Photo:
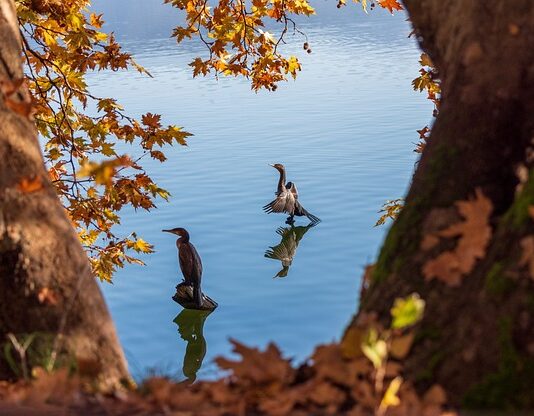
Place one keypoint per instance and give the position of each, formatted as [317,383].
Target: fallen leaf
[435,395]
[258,366]
[474,233]
[429,241]
[400,346]
[29,185]
[351,344]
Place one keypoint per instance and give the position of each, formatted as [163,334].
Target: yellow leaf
[142,246]
[390,396]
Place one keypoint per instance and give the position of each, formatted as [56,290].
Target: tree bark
[48,294]
[477,340]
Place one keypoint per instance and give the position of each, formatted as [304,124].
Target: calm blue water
[345,132]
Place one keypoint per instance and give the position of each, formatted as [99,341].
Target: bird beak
[270,165]
[167,231]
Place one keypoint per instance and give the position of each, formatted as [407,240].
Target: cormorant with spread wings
[287,199]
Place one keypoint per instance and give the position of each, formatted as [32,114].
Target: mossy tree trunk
[47,291]
[476,339]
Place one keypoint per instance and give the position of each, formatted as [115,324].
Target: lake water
[345,131]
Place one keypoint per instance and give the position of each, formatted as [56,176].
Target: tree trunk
[48,296]
[476,338]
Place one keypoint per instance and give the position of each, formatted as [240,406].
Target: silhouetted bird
[287,199]
[285,250]
[190,263]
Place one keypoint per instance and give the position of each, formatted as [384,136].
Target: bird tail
[197,295]
[300,211]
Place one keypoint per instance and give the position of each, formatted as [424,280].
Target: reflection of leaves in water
[286,249]
[191,329]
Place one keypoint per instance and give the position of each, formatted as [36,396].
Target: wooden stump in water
[184,297]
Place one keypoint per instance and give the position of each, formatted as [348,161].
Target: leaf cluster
[62,43]
[238,44]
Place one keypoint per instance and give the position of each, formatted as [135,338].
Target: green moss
[401,241]
[404,236]
[428,332]
[496,283]
[517,214]
[510,387]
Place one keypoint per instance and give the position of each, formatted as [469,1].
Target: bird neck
[282,180]
[184,238]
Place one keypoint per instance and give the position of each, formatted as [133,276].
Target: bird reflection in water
[191,329]
[286,249]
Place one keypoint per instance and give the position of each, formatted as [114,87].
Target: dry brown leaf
[324,393]
[330,365]
[474,233]
[400,346]
[393,369]
[281,404]
[435,395]
[527,255]
[29,185]
[53,388]
[352,342]
[429,241]
[257,366]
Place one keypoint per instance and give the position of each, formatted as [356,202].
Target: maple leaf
[390,5]
[258,366]
[151,120]
[474,233]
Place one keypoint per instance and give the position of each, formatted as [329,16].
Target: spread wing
[284,202]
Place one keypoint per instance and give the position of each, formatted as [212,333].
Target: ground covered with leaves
[361,375]
[259,383]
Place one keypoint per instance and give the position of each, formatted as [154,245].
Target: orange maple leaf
[28,185]
[474,234]
[151,120]
[390,5]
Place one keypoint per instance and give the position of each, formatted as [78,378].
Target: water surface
[345,132]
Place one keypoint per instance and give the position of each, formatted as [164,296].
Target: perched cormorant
[190,263]
[287,199]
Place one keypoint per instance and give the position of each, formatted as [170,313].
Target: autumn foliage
[360,376]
